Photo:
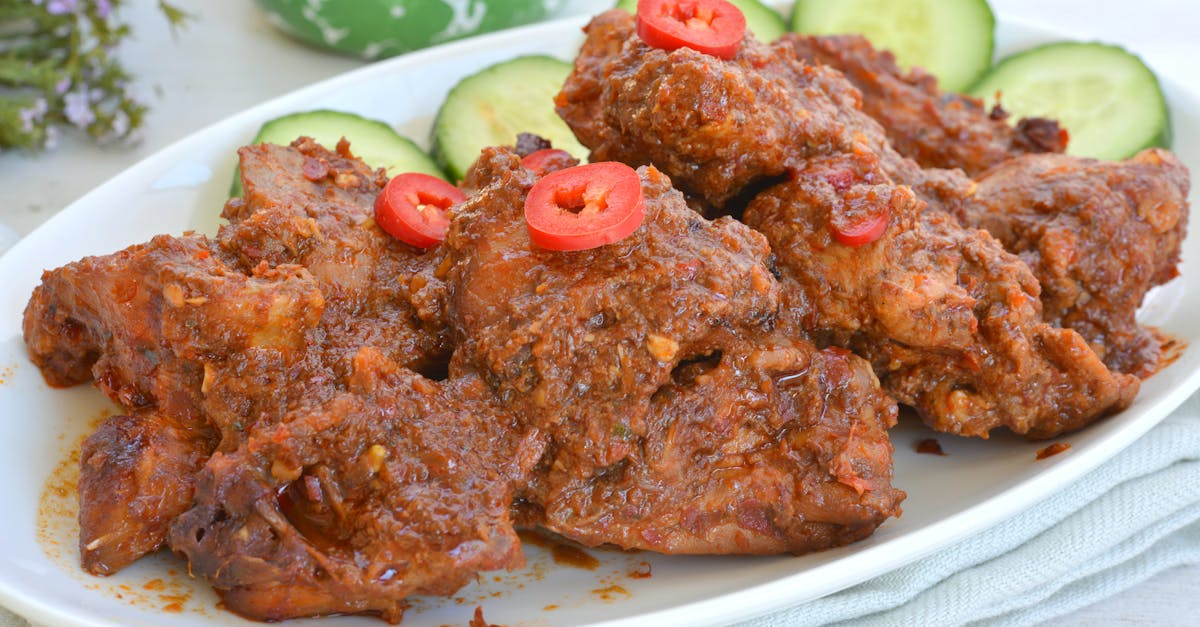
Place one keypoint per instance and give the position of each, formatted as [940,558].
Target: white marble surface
[229,58]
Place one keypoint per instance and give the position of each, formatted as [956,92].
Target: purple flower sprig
[58,71]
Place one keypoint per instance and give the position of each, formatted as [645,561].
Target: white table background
[229,58]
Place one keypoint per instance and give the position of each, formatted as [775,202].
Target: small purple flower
[77,108]
[26,116]
[103,9]
[63,85]
[60,7]
[33,115]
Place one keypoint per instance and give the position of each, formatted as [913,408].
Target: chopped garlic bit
[283,472]
[662,348]
[174,294]
[375,456]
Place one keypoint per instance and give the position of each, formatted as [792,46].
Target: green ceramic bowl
[381,28]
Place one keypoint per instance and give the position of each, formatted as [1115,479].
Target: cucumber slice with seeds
[491,107]
[1106,98]
[951,39]
[375,142]
[763,21]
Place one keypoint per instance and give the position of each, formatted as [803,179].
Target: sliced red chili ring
[714,27]
[547,160]
[413,208]
[585,206]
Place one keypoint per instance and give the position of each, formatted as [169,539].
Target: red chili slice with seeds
[714,27]
[413,208]
[585,206]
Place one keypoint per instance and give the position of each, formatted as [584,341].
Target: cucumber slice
[763,21]
[1106,98]
[491,107]
[951,39]
[375,142]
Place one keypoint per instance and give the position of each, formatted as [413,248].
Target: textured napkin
[1131,518]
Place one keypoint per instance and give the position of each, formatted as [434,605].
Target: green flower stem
[11,131]
[20,72]
[27,10]
[175,16]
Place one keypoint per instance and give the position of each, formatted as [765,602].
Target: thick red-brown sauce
[564,554]
[1172,349]
[1052,450]
[640,571]
[929,446]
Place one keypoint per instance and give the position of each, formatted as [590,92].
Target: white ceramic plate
[183,187]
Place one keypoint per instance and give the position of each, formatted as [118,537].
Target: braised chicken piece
[314,207]
[950,321]
[129,320]
[952,324]
[629,102]
[764,446]
[936,129]
[1097,234]
[724,130]
[137,474]
[395,487]
[677,421]
[151,325]
[579,341]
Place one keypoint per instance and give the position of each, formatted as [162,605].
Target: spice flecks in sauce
[151,584]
